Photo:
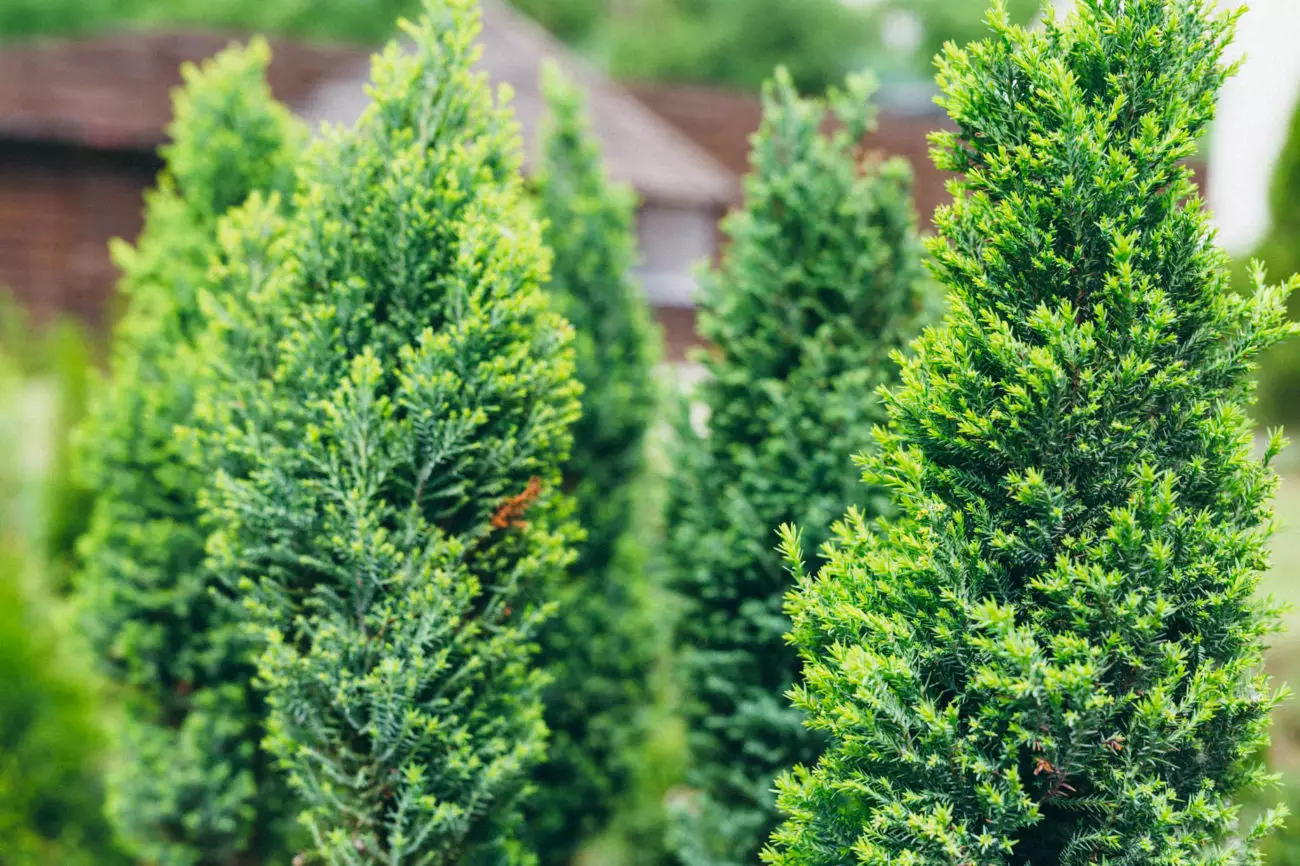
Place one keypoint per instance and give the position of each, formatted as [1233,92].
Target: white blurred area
[1254,118]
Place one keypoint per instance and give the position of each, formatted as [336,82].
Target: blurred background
[85,101]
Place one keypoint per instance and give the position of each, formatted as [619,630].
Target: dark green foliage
[1279,381]
[363,21]
[599,648]
[387,425]
[191,786]
[737,42]
[1051,654]
[51,793]
[821,282]
[66,501]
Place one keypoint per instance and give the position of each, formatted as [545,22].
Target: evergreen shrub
[821,281]
[385,428]
[190,785]
[1051,652]
[599,649]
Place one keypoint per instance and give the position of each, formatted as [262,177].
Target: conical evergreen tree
[822,280]
[599,647]
[390,416]
[1052,653]
[190,786]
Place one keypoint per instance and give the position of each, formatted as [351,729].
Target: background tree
[1052,653]
[390,414]
[738,42]
[822,280]
[51,740]
[600,647]
[190,786]
[1279,386]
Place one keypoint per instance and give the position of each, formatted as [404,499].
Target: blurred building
[80,121]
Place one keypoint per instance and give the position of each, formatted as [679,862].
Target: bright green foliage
[390,419]
[599,648]
[51,793]
[822,281]
[1279,385]
[191,786]
[1051,654]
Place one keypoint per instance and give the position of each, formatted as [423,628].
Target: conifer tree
[390,414]
[1051,654]
[190,785]
[598,649]
[1279,385]
[822,280]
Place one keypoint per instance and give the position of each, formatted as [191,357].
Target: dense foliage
[191,786]
[599,648]
[1052,653]
[822,280]
[386,426]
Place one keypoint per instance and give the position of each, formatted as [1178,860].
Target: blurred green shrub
[599,647]
[1279,375]
[821,282]
[192,784]
[51,742]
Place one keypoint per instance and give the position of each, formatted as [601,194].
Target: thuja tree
[1051,654]
[391,414]
[821,282]
[189,786]
[1279,385]
[598,649]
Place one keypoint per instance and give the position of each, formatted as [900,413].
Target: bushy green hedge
[822,280]
[191,786]
[384,430]
[1052,652]
[600,647]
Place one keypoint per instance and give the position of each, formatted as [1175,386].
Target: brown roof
[640,149]
[722,121]
[114,92]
